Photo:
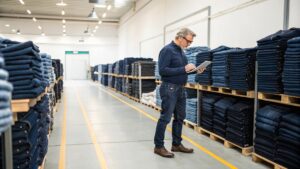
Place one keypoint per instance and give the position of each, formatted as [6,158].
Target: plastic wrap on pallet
[149,98]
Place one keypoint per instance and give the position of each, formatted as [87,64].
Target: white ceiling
[49,16]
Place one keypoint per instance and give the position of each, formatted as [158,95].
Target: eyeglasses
[188,41]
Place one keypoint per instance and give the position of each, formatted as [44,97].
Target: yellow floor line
[62,151]
[99,152]
[221,160]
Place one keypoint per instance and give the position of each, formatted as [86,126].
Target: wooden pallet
[156,108]
[191,85]
[190,124]
[246,151]
[280,98]
[227,91]
[259,159]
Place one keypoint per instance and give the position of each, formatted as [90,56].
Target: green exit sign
[77,52]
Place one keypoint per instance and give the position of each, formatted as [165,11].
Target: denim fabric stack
[104,78]
[119,83]
[270,57]
[191,54]
[128,64]
[205,77]
[147,86]
[191,110]
[5,98]
[266,130]
[220,68]
[52,103]
[58,70]
[240,123]
[288,142]
[23,62]
[110,78]
[242,69]
[147,68]
[158,98]
[94,76]
[207,110]
[220,115]
[119,69]
[47,68]
[157,76]
[291,68]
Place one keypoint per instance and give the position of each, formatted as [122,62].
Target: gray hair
[184,32]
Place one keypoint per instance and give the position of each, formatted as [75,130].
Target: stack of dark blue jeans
[5,98]
[266,130]
[291,68]
[207,110]
[242,69]
[240,123]
[220,68]
[158,98]
[104,78]
[270,59]
[147,86]
[191,105]
[147,68]
[288,142]
[128,64]
[220,115]
[47,68]
[58,71]
[23,63]
[191,54]
[205,77]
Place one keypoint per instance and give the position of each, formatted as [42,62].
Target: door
[77,66]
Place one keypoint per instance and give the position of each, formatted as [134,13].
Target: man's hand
[201,70]
[189,67]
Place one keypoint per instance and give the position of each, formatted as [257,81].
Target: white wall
[141,33]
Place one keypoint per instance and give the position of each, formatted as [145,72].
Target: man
[173,68]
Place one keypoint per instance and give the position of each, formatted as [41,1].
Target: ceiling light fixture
[99,6]
[63,12]
[7,25]
[63,21]
[39,27]
[64,31]
[64,26]
[28,11]
[22,2]
[108,7]
[61,3]
[93,14]
[34,19]
[13,30]
[103,15]
[99,22]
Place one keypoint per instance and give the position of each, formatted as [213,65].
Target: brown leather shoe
[182,149]
[163,152]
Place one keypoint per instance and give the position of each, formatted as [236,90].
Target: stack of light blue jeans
[220,115]
[288,141]
[47,68]
[266,130]
[270,60]
[5,98]
[220,68]
[205,77]
[157,76]
[240,123]
[291,68]
[158,98]
[191,54]
[23,63]
[191,110]
[207,110]
[242,69]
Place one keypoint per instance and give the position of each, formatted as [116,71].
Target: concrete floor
[103,131]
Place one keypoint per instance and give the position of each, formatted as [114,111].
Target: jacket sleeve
[164,63]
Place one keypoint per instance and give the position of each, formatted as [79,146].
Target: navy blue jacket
[171,62]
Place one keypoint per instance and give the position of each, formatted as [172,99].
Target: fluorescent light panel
[34,19]
[28,11]
[22,2]
[103,15]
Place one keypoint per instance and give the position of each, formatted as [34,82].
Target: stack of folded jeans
[157,76]
[191,110]
[220,68]
[220,115]
[110,78]
[58,70]
[5,98]
[119,69]
[23,63]
[128,64]
[47,68]
[205,77]
[207,110]
[94,76]
[158,98]
[242,69]
[266,130]
[240,123]
[191,54]
[104,78]
[270,60]
[291,68]
[119,84]
[147,86]
[147,68]
[288,142]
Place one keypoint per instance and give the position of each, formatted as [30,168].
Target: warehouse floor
[97,128]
